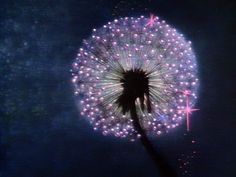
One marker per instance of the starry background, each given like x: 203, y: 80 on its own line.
x: 41, y: 132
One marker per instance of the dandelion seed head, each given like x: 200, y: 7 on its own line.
x: 128, y: 44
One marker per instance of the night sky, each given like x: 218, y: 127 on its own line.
x: 41, y: 132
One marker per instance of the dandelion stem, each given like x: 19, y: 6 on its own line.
x: 165, y: 169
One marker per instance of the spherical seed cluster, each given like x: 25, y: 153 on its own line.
x: 151, y: 46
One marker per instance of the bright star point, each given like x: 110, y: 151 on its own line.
x: 151, y: 20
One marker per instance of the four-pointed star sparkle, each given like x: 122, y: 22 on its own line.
x: 151, y: 20
x: 188, y: 110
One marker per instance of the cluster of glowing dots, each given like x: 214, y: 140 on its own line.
x: 186, y: 159
x: 148, y: 44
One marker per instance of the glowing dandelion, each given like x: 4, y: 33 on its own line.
x: 136, y: 76
x: 146, y: 48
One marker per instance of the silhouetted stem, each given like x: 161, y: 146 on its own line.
x: 164, y: 168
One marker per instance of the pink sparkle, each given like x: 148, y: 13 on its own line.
x: 151, y: 20
x: 186, y: 92
x: 188, y: 110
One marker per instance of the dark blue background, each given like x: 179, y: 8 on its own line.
x: 41, y: 133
